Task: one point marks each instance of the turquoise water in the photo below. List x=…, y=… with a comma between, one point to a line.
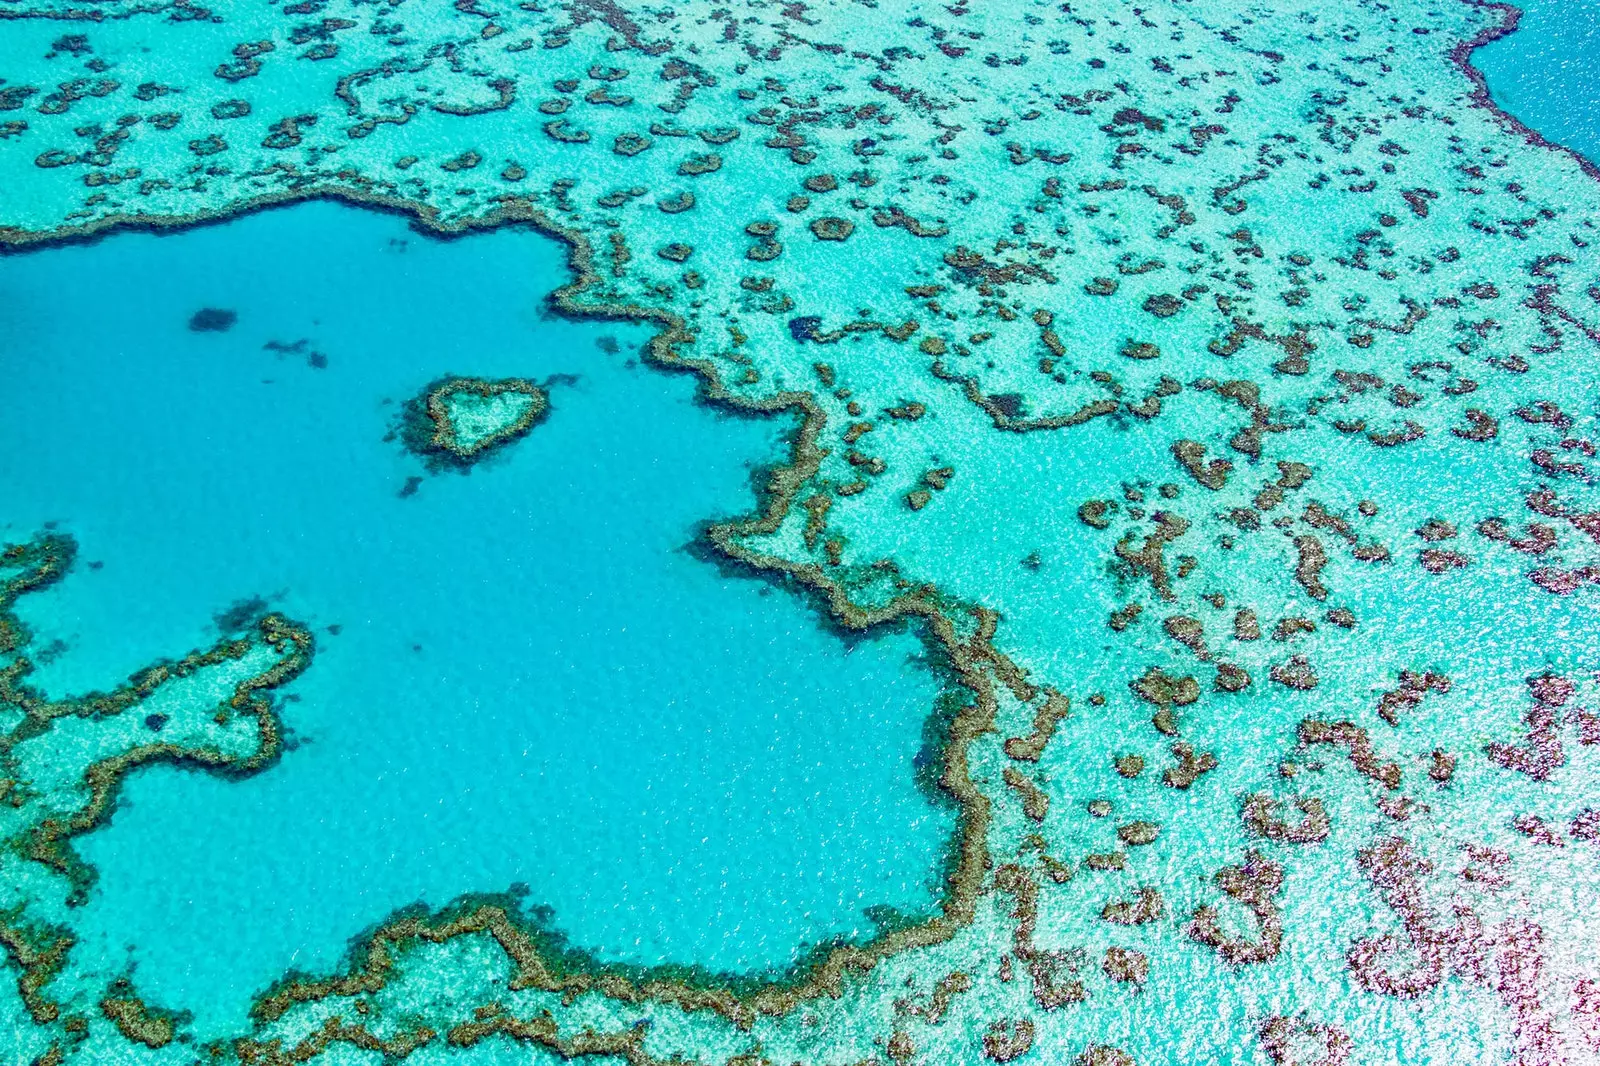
x=1214, y=366
x=1546, y=72
x=523, y=675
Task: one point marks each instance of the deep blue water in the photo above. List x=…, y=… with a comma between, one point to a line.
x=1548, y=72
x=533, y=681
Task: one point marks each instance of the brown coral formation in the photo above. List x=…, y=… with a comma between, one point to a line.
x=1190, y=767
x=1363, y=755
x=1292, y=1042
x=1261, y=818
x=431, y=431
x=1051, y=972
x=945, y=991
x=1158, y=687
x=1007, y=1040
x=1508, y=957
x=1146, y=906
x=1149, y=558
x=1191, y=455
x=1297, y=673
x=1138, y=834
x=1253, y=885
x=1104, y=1055
x=1035, y=803
x=136, y=1020
x=1046, y=717
x=1126, y=965
x=972, y=657
x=1541, y=752
x=1409, y=693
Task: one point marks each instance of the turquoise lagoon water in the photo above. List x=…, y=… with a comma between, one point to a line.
x=525, y=677
x=1548, y=72
x=532, y=680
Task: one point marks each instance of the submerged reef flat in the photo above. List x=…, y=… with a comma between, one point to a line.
x=1210, y=383
x=463, y=420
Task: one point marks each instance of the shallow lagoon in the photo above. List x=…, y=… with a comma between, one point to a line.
x=532, y=679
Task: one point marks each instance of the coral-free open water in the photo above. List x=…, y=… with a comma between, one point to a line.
x=532, y=679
